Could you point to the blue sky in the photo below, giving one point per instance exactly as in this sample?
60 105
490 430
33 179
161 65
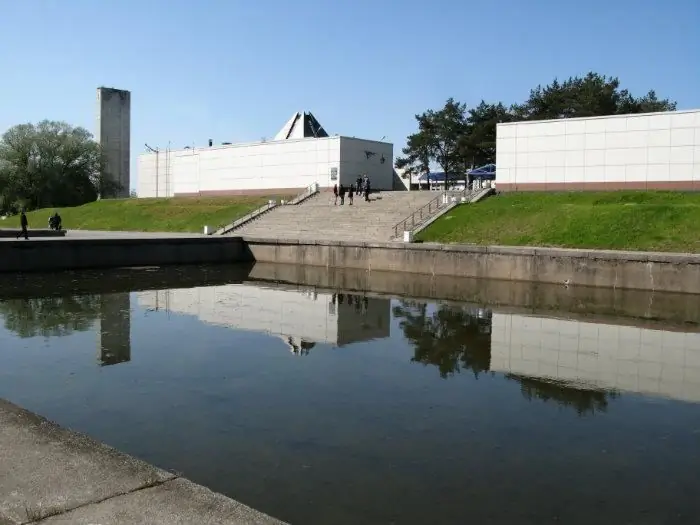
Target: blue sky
235 70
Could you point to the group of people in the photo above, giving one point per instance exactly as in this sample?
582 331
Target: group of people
55 223
361 187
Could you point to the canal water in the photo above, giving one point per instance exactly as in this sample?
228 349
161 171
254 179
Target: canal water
337 399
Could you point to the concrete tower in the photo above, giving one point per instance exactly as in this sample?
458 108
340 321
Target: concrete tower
114 134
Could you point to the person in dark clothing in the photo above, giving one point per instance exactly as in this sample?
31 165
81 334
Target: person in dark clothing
24 224
57 221
341 193
358 184
367 189
351 193
335 193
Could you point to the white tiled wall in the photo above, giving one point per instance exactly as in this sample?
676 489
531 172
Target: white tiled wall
659 147
294 163
626 358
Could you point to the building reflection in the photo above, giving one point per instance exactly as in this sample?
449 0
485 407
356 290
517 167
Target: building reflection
579 364
301 317
115 329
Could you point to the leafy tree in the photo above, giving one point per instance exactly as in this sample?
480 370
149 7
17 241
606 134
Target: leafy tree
453 339
50 316
478 144
590 96
51 164
437 140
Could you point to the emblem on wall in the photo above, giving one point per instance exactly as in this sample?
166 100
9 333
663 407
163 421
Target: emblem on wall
369 154
382 160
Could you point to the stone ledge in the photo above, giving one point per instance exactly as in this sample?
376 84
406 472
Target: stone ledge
53 475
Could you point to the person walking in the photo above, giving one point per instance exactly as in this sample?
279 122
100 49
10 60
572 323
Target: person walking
335 193
24 224
341 193
351 192
367 190
358 185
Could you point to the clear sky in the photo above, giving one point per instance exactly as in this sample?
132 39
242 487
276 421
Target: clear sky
236 70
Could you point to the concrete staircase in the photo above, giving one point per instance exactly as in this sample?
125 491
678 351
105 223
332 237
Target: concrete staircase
318 218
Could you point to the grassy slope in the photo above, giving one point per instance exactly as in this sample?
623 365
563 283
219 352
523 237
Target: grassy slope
166 215
655 221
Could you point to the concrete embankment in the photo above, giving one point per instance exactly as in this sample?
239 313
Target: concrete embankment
654 309
663 272
52 476
666 272
117 249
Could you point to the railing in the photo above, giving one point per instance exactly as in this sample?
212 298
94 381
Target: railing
246 218
310 191
428 210
420 214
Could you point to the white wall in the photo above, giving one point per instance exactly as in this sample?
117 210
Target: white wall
282 164
358 156
654 150
163 164
660 363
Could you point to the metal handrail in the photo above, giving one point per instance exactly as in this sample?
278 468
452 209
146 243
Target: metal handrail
432 206
310 190
246 218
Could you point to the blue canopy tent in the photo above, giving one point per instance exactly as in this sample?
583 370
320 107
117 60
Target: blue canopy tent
486 172
440 177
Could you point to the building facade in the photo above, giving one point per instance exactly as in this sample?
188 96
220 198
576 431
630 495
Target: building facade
301 154
659 151
113 134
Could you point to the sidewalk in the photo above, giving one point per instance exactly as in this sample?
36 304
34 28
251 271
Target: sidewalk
52 476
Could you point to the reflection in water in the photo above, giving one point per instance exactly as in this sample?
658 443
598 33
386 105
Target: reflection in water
301 318
597 356
365 434
50 316
455 338
451 338
115 328
583 401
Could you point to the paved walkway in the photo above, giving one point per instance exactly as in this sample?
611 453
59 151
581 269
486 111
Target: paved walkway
50 475
88 234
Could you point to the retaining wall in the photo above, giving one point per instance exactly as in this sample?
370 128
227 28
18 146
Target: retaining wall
78 254
627 270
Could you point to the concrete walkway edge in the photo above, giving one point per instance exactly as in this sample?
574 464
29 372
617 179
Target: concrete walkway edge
51 475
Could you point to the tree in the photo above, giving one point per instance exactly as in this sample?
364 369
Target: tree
591 96
478 144
437 140
51 164
50 316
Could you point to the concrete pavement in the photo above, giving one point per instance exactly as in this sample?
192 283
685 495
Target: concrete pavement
90 234
51 475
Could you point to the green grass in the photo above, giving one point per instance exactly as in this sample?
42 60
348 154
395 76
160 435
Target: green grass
622 220
179 214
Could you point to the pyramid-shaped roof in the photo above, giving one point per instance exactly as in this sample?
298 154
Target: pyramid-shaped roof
302 125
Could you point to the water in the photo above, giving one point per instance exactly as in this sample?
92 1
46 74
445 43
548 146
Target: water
325 404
